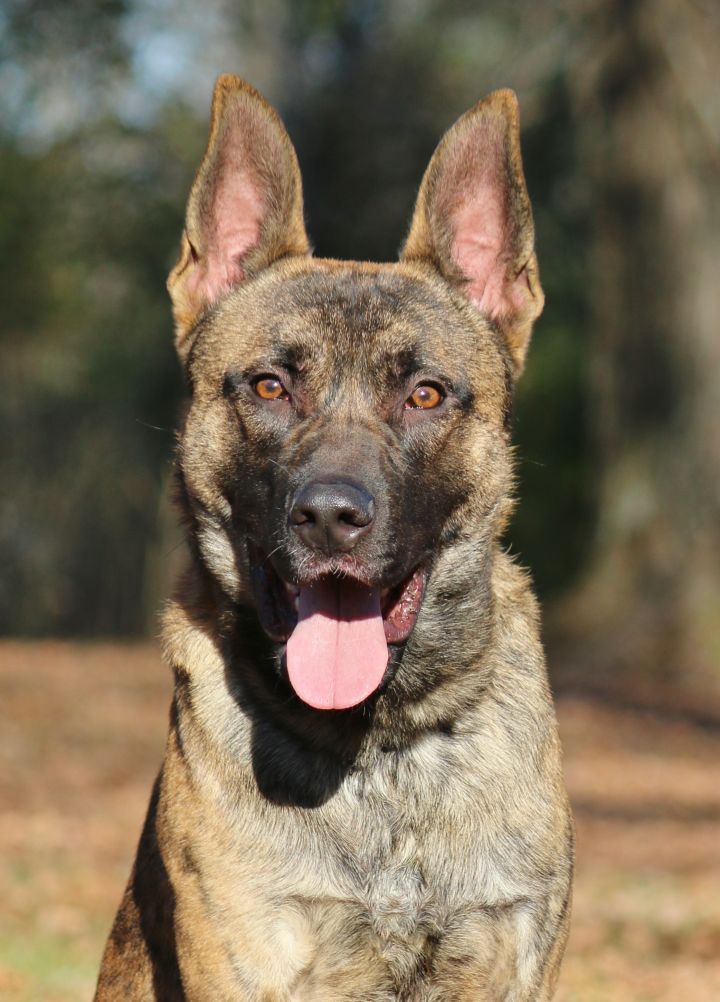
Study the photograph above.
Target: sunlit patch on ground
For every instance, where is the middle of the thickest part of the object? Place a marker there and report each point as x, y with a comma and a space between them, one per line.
82, 736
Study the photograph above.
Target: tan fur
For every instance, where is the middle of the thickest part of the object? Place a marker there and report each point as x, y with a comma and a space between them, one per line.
419, 850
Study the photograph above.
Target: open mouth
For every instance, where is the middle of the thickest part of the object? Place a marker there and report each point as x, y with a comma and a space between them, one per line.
337, 631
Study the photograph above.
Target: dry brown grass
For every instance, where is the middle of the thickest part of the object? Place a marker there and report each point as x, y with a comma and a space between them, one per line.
82, 735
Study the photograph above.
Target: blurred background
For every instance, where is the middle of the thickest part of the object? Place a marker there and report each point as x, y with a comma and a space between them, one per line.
103, 121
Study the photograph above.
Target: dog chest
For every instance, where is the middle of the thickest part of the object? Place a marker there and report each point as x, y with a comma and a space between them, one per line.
399, 910
400, 879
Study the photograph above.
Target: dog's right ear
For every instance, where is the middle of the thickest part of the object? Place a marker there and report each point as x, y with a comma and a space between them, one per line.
245, 208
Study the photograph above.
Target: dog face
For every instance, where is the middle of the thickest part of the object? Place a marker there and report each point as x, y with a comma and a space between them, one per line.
348, 422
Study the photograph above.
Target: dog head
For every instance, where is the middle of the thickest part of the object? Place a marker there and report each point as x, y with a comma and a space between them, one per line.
348, 422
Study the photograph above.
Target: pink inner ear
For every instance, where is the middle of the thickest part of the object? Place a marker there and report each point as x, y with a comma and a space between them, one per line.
234, 229
478, 248
481, 244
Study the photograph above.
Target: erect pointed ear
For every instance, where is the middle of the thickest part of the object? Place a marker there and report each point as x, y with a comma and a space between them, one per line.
474, 223
245, 208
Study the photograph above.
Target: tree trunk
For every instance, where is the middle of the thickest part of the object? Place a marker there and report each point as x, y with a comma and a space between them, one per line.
648, 614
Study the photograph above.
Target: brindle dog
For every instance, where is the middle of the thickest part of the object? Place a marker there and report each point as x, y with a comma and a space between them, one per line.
361, 797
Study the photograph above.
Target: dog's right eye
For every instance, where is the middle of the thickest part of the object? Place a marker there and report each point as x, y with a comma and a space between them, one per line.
270, 388
425, 396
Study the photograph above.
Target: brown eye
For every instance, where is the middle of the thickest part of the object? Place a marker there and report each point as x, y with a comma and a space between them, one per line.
424, 397
270, 388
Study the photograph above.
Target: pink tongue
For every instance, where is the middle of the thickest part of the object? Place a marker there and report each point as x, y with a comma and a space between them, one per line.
337, 654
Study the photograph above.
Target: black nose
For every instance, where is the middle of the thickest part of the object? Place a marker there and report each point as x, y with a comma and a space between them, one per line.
332, 517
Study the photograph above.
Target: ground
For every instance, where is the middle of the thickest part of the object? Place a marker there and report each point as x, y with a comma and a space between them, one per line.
82, 736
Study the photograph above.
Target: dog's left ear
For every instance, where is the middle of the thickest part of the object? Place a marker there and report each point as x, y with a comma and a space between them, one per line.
473, 220
245, 208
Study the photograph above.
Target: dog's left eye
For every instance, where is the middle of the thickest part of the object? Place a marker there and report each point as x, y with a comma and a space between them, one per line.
270, 388
425, 397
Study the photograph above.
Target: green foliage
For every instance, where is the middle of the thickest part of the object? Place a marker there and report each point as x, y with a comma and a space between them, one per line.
552, 529
87, 371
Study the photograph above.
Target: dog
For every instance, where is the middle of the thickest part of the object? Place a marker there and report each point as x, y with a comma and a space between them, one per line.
361, 796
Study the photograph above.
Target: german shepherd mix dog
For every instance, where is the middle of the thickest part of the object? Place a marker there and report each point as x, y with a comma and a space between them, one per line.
361, 797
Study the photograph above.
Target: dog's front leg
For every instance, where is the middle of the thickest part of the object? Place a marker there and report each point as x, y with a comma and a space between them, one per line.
541, 936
